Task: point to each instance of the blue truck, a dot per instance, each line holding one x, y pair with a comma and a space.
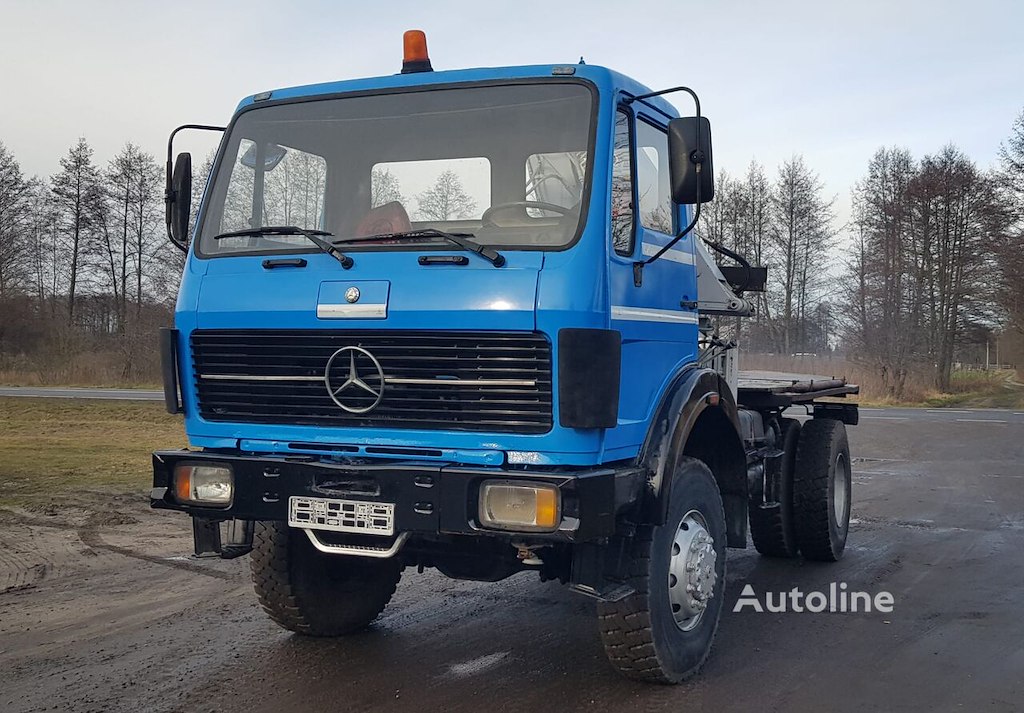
462, 320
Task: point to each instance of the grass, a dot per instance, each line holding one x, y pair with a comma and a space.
57, 448
982, 389
12, 377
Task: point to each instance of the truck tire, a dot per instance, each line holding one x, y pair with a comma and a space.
821, 490
662, 633
772, 529
313, 593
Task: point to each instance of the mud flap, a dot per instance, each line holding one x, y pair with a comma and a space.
600, 570
206, 536
239, 539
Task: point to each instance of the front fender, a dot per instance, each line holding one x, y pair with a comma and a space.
693, 391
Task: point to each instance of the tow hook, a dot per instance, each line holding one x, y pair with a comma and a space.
527, 554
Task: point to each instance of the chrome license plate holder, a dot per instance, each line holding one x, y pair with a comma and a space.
353, 516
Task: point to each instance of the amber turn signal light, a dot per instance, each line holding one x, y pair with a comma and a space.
203, 484
521, 506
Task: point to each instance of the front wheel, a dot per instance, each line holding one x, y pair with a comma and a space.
313, 593
663, 632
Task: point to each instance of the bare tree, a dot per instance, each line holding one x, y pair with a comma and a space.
15, 201
801, 237
717, 218
446, 199
1010, 251
103, 246
889, 309
133, 183
384, 188
741, 218
76, 189
1011, 159
757, 227
40, 232
920, 273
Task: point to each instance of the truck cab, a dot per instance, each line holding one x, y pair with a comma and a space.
460, 319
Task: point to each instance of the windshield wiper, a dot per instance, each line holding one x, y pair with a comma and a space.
314, 236
460, 239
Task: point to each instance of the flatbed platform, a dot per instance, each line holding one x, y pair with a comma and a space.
762, 389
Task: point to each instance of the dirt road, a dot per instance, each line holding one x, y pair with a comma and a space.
102, 610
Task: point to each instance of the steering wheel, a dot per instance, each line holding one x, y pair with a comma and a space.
487, 219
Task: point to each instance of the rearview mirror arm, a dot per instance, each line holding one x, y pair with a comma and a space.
169, 196
697, 157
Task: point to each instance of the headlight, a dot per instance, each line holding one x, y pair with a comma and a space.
201, 484
526, 507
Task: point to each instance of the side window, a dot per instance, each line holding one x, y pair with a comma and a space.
652, 178
622, 187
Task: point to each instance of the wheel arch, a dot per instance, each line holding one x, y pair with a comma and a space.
697, 418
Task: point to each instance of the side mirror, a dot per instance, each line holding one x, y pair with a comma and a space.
178, 188
689, 146
179, 200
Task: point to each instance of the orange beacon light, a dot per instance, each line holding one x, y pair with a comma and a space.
415, 57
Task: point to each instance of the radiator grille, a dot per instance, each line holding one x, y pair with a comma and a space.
467, 381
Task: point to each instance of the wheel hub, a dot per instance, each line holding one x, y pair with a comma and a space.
839, 494
692, 575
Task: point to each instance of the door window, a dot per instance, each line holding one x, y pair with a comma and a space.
622, 187
652, 179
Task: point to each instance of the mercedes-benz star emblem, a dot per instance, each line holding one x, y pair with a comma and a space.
352, 295
353, 376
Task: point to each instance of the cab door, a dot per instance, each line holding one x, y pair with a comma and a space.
653, 314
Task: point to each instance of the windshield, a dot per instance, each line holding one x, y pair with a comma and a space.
507, 164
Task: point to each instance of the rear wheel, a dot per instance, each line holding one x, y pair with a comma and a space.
771, 526
317, 594
821, 490
663, 632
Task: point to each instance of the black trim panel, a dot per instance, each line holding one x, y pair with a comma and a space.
169, 369
589, 370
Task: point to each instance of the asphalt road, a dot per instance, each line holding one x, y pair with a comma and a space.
944, 415
118, 618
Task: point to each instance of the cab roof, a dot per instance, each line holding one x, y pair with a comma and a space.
607, 82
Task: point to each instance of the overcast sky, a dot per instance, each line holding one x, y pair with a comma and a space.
831, 80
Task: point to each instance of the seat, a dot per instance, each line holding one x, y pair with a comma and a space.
388, 218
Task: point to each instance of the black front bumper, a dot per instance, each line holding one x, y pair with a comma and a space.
436, 499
